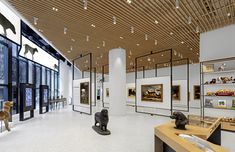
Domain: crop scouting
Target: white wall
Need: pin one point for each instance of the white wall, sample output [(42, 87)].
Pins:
[(217, 44)]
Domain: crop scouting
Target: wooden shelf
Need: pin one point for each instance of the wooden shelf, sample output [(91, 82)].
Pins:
[(229, 126), (219, 108), (219, 72), (219, 96), (220, 84)]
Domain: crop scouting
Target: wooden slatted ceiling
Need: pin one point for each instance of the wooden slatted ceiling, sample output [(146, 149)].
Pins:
[(140, 14)]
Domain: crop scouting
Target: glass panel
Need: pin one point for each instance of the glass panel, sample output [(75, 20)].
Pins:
[(56, 85), (14, 98), (22, 72), (3, 63), (14, 71), (38, 76), (3, 95), (48, 81), (52, 84), (37, 98)]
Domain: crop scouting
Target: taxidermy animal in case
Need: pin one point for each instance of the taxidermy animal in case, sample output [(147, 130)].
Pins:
[(5, 114), (180, 120), (28, 48), (102, 119), (6, 24)]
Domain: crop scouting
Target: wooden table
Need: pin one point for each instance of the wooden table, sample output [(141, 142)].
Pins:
[(167, 139)]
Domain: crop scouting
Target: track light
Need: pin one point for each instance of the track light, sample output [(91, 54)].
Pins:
[(177, 4), (189, 20), (65, 30), (132, 30), (87, 38), (85, 4), (114, 20), (35, 20), (155, 42), (146, 37)]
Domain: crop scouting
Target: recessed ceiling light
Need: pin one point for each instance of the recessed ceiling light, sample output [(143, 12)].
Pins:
[(92, 25), (189, 20), (149, 59), (156, 22), (114, 20), (98, 47), (197, 29), (162, 55), (229, 14), (121, 37), (87, 38), (69, 51), (171, 33), (146, 37), (103, 43), (155, 42), (182, 42), (71, 48), (129, 1), (138, 44), (40, 30), (54, 9), (132, 30), (73, 40), (191, 48), (197, 53), (65, 30)]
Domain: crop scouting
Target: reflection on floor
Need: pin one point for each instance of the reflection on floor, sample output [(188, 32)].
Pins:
[(67, 131)]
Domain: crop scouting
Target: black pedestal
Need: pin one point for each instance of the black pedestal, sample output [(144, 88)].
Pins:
[(101, 132)]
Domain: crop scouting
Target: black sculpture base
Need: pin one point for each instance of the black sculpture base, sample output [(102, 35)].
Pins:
[(101, 132)]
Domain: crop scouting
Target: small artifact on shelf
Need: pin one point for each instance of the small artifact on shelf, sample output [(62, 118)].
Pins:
[(5, 114), (222, 104), (213, 81), (228, 119), (225, 79), (101, 118), (208, 103), (224, 92), (210, 93), (180, 120), (222, 67)]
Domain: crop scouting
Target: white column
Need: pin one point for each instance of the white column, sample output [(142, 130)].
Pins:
[(117, 81)]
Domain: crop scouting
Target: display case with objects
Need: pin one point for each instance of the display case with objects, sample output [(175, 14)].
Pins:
[(218, 89), (43, 99)]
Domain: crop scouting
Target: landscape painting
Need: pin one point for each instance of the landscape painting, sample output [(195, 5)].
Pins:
[(152, 92), (131, 92), (197, 94), (84, 93), (176, 92)]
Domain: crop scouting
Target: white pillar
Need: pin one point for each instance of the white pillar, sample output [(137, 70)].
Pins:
[(117, 81)]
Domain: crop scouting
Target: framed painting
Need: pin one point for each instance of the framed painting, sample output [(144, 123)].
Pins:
[(208, 68), (197, 92), (152, 92), (107, 92), (131, 92), (176, 92), (84, 93)]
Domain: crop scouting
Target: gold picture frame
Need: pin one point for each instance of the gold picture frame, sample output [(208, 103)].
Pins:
[(208, 68), (197, 92), (176, 92), (152, 93), (84, 93)]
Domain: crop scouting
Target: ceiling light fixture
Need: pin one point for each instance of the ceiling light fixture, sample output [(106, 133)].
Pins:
[(98, 47), (54, 9), (175, 53), (65, 30), (189, 20), (149, 59), (114, 20), (155, 42), (177, 4), (40, 30), (132, 30), (35, 20), (229, 14), (101, 55), (171, 33), (121, 37), (92, 25), (197, 29), (73, 40), (162, 55), (182, 42), (87, 38), (103, 43), (156, 22), (138, 44), (191, 49), (71, 48), (69, 51), (129, 1), (85, 4), (130, 52), (146, 37)]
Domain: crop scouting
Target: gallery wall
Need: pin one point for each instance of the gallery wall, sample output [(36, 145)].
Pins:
[(217, 44)]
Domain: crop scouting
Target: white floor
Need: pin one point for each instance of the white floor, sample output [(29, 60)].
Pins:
[(67, 131)]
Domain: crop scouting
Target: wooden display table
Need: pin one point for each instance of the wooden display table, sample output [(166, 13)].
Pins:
[(167, 139)]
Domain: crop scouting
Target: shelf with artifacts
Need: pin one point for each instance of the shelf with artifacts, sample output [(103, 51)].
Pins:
[(218, 88)]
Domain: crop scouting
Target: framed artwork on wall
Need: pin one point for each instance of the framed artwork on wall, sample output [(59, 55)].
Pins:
[(152, 92), (84, 93), (222, 104), (197, 92), (107, 92), (208, 68), (131, 92), (176, 92)]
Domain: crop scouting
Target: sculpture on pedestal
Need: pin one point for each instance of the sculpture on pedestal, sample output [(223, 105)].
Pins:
[(180, 120), (102, 119), (5, 114)]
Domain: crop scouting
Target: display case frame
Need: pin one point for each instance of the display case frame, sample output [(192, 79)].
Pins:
[(42, 104)]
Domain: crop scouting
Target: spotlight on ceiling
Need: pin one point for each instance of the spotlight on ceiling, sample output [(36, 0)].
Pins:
[(155, 42), (229, 14), (71, 48), (149, 59), (197, 29), (146, 37), (121, 37), (189, 20), (73, 40), (129, 1), (138, 44), (103, 43), (54, 9), (35, 20), (156, 22), (171, 33), (85, 4), (65, 30), (92, 25), (132, 30), (87, 38), (177, 4), (114, 20), (182, 42)]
